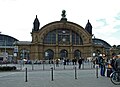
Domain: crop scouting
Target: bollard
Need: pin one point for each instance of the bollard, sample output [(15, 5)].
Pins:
[(32, 65), (64, 66), (52, 74), (43, 65), (26, 75), (20, 66), (75, 73), (97, 71), (54, 65)]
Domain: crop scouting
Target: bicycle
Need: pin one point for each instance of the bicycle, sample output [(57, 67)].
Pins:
[(115, 77)]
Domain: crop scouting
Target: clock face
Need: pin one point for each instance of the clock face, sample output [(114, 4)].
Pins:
[(64, 39), (63, 36), (63, 31)]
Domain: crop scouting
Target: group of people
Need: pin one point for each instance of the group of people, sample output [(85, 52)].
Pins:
[(114, 63), (74, 62), (101, 61)]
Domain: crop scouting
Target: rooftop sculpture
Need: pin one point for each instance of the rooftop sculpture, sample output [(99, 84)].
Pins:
[(63, 14)]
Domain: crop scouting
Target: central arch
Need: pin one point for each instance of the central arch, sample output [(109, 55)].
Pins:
[(85, 36)]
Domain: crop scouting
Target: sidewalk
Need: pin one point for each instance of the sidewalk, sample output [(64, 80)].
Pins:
[(61, 78), (48, 66)]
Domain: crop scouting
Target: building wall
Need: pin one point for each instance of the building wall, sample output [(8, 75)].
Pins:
[(37, 48)]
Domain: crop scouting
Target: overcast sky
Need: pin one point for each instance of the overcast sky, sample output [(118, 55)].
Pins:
[(17, 16)]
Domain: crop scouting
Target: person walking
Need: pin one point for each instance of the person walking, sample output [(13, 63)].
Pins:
[(117, 63), (80, 62), (57, 63), (102, 66), (117, 66), (113, 63)]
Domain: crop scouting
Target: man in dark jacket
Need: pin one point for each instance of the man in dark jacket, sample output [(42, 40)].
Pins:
[(117, 63), (102, 66), (113, 63), (80, 62)]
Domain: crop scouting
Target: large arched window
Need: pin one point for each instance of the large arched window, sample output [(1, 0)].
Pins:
[(63, 36), (76, 39), (50, 38)]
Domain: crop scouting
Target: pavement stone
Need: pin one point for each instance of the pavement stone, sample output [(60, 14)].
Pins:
[(61, 78)]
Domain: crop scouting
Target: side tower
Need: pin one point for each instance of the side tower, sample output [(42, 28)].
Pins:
[(36, 25), (88, 27)]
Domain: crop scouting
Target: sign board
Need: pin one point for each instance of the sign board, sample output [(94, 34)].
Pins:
[(15, 49)]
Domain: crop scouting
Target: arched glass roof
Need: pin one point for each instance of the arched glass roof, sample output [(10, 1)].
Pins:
[(6, 40), (101, 42)]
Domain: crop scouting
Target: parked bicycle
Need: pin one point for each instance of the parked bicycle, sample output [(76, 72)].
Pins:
[(115, 77)]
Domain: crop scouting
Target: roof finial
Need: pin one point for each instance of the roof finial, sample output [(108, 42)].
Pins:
[(36, 16), (88, 20)]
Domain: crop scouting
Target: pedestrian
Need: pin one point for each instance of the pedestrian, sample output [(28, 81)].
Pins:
[(64, 62), (57, 63), (112, 63), (97, 62), (117, 64), (80, 63), (102, 66), (94, 61), (67, 61), (73, 61)]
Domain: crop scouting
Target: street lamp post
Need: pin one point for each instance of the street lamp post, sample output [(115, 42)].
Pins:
[(15, 53), (5, 54), (23, 52)]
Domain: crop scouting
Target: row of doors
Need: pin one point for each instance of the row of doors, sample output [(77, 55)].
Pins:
[(49, 54)]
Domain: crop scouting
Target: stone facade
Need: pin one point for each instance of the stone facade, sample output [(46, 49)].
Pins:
[(37, 48), (59, 40)]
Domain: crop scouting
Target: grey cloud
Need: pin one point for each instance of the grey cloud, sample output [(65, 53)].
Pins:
[(117, 17), (117, 27), (103, 21)]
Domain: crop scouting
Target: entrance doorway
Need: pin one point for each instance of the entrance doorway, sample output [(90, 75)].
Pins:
[(49, 54), (77, 54), (63, 54)]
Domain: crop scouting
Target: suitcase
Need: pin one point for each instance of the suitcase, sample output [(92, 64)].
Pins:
[(109, 71)]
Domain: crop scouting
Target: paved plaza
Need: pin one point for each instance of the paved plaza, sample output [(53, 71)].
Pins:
[(61, 78)]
